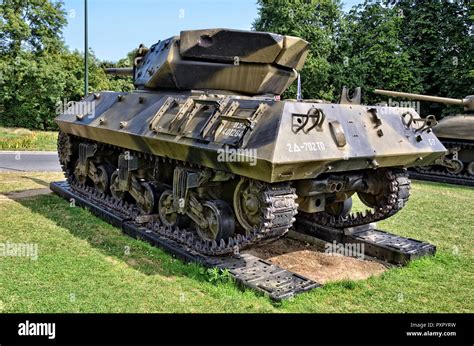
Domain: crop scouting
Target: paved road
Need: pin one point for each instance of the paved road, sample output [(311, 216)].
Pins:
[(27, 161)]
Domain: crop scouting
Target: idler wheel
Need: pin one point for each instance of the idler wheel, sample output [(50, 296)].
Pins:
[(102, 182), (470, 168), (372, 201), (114, 183), (379, 199), (339, 208), (64, 148), (456, 166), (220, 221), (148, 203), (168, 214), (247, 203)]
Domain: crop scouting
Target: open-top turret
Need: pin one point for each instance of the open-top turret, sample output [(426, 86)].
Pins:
[(252, 63)]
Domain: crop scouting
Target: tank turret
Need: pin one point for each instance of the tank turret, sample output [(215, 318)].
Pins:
[(252, 63)]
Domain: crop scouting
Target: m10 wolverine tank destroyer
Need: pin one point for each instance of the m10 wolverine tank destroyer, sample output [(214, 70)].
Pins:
[(205, 152), (456, 132)]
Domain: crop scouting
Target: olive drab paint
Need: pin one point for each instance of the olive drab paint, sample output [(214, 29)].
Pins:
[(148, 118), (206, 145)]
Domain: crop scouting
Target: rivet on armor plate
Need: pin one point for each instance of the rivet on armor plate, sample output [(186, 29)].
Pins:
[(373, 163)]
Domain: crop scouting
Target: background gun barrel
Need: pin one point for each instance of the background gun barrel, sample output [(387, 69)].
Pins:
[(445, 100), (119, 71)]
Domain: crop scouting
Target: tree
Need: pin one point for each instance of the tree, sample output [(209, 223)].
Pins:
[(36, 70), (30, 40), (420, 46), (437, 34), (372, 53), (33, 25), (316, 21)]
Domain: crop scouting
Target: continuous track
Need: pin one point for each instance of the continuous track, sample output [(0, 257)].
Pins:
[(440, 174), (248, 270), (277, 214), (279, 207), (395, 198)]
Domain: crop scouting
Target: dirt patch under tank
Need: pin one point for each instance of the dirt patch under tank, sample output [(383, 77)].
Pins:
[(308, 260)]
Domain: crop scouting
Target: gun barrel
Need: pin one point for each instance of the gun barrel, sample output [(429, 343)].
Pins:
[(119, 71), (445, 100)]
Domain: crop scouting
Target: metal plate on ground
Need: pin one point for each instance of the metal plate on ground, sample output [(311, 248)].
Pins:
[(379, 244), (263, 276), (390, 247), (248, 270)]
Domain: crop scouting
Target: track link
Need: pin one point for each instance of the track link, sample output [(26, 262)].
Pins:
[(278, 214), (440, 174), (396, 198)]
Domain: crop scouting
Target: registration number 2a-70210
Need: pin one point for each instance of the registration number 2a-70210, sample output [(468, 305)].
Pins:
[(306, 146)]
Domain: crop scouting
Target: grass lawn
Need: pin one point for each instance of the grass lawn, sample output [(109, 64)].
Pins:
[(23, 139), (86, 265)]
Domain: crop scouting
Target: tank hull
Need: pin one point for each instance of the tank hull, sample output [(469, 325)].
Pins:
[(205, 151), (269, 147)]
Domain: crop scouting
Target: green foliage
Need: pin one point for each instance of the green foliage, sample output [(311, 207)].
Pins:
[(32, 86), (415, 46), (407, 45), (437, 34), (23, 139), (372, 53), (30, 42), (219, 276), (34, 25), (316, 21), (120, 83), (37, 72)]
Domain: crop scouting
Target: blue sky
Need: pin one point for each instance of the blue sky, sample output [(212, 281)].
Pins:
[(118, 26)]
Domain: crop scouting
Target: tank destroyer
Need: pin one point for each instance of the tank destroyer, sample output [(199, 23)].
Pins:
[(456, 132), (205, 152)]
